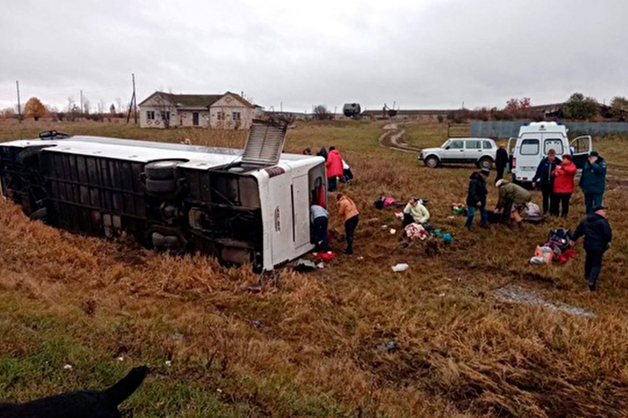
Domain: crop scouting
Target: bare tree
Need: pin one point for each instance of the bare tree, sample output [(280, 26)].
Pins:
[(322, 113)]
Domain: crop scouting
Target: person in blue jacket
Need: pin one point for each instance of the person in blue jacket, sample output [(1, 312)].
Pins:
[(544, 179), (593, 181)]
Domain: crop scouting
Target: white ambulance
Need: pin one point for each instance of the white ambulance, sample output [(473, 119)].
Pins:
[(534, 142)]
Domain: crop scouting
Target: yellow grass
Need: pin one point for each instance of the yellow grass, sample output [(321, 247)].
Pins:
[(68, 299)]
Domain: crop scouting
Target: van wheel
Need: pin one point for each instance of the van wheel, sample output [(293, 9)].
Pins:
[(486, 162), (161, 170), (431, 162), (160, 186)]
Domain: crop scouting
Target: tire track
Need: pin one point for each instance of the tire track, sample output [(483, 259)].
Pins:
[(392, 139)]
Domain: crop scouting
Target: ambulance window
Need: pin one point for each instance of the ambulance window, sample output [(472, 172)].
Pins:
[(555, 144), (529, 147)]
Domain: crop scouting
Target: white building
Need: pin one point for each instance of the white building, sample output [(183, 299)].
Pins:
[(217, 111)]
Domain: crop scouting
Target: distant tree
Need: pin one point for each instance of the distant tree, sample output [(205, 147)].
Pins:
[(619, 108), (518, 107), (7, 113), (580, 107), (322, 113), (112, 110), (35, 108)]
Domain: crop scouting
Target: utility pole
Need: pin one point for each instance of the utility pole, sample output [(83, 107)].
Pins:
[(81, 112), (19, 106), (133, 104)]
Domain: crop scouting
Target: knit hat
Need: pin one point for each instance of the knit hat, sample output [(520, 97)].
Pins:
[(594, 154), (599, 207), (485, 172)]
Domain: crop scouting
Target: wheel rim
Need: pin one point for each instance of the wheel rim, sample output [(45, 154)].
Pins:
[(431, 163)]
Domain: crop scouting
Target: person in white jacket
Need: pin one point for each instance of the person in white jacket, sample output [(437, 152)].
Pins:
[(415, 212)]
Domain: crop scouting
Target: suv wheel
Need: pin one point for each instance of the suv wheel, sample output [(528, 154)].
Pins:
[(486, 162), (431, 162)]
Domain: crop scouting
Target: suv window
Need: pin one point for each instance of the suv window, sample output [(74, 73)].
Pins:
[(553, 143), (529, 147), (474, 144), (456, 145), (486, 145)]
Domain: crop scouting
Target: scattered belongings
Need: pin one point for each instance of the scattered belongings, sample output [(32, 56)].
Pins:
[(304, 265), (556, 249), (397, 268), (327, 256), (459, 209), (447, 238), (257, 323), (384, 227), (416, 231), (393, 231), (388, 346), (438, 233), (385, 202)]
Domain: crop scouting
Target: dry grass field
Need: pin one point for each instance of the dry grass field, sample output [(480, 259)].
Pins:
[(103, 307)]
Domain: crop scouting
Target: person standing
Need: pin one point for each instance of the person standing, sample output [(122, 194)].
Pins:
[(334, 168), (476, 197), (544, 179), (415, 212), (598, 235), (563, 185), (320, 219), (593, 181), (348, 210), (501, 161), (512, 196)]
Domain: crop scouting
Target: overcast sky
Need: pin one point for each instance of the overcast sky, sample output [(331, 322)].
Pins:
[(419, 53)]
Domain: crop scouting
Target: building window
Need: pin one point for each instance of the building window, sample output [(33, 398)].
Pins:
[(150, 114), (236, 116), (165, 115), (220, 115)]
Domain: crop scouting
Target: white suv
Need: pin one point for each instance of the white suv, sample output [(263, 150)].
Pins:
[(480, 151)]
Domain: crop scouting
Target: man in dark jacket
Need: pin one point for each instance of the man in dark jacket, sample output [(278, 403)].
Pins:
[(544, 179), (501, 161), (597, 237), (476, 197), (593, 181)]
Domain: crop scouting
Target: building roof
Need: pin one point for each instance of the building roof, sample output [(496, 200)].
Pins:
[(195, 100)]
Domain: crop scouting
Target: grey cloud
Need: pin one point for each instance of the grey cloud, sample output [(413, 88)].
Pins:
[(419, 54)]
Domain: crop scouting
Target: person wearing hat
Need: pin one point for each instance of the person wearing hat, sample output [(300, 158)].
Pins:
[(597, 235), (476, 197), (563, 186), (593, 181)]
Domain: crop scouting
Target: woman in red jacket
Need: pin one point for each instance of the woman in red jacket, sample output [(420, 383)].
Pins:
[(563, 186), (334, 168)]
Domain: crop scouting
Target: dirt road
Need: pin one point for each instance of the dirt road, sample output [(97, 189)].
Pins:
[(392, 138)]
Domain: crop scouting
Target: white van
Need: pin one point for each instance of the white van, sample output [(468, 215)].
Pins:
[(250, 206), (534, 142)]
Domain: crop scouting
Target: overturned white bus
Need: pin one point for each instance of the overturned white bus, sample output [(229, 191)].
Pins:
[(239, 206)]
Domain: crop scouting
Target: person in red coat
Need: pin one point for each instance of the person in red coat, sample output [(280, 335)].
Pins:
[(563, 186), (334, 168)]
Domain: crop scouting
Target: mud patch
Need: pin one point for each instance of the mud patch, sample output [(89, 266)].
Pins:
[(518, 294)]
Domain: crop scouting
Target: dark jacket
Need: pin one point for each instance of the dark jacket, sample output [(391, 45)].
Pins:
[(596, 231), (501, 158), (593, 179), (322, 153), (477, 190), (544, 172)]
